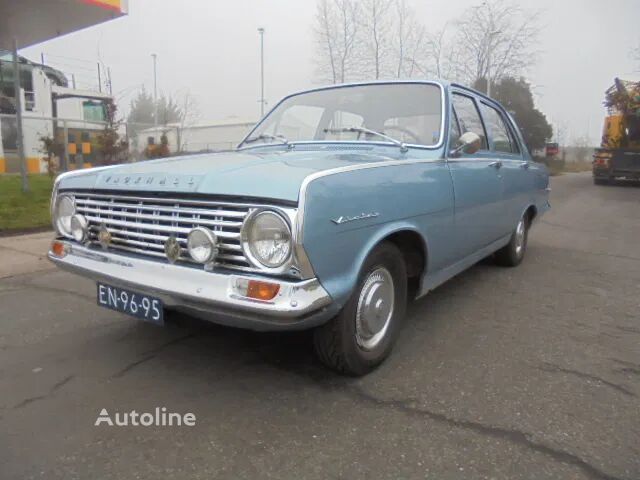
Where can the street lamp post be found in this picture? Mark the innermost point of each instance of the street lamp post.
(155, 90)
(262, 101)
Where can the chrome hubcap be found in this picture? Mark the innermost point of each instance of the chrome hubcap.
(520, 232)
(375, 308)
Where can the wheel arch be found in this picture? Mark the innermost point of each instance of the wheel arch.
(412, 245)
(531, 212)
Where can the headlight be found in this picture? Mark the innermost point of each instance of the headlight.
(65, 208)
(201, 244)
(266, 237)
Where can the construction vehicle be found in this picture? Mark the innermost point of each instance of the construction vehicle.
(619, 152)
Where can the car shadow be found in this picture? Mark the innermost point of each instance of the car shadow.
(291, 352)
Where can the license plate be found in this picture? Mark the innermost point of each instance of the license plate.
(132, 303)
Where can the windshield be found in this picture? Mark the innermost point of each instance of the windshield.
(408, 113)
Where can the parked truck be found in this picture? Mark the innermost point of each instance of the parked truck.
(619, 152)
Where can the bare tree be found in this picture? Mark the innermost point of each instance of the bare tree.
(408, 40)
(189, 115)
(336, 31)
(443, 57)
(496, 39)
(417, 45)
(376, 47)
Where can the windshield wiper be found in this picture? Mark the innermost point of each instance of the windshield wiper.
(268, 136)
(403, 147)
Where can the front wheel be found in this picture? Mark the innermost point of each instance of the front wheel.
(363, 333)
(512, 254)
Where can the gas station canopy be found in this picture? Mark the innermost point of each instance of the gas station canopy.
(35, 21)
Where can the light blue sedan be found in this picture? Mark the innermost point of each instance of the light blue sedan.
(337, 201)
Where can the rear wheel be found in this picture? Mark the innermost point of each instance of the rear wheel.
(512, 254)
(362, 335)
(600, 181)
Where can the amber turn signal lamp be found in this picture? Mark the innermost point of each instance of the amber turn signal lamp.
(262, 290)
(59, 249)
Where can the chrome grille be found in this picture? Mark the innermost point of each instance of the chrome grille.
(143, 224)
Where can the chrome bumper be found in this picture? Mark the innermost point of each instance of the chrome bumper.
(207, 295)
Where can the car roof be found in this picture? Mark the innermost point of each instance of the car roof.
(427, 81)
(444, 84)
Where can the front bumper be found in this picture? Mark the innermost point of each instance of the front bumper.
(207, 295)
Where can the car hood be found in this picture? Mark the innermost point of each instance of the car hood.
(268, 175)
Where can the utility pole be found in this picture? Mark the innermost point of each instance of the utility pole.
(262, 101)
(18, 102)
(155, 90)
(99, 79)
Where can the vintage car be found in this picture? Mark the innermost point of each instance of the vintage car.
(337, 204)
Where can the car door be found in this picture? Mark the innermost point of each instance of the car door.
(477, 181)
(514, 170)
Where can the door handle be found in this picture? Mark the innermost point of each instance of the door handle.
(497, 164)
(525, 165)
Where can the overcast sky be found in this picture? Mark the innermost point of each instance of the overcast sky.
(211, 49)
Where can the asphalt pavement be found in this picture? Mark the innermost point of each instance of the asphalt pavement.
(525, 373)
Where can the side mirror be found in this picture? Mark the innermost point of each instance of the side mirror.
(468, 143)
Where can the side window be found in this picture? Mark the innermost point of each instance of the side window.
(500, 134)
(454, 130)
(469, 117)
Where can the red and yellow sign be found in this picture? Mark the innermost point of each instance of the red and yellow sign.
(108, 4)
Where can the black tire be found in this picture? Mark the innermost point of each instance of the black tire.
(510, 255)
(600, 181)
(337, 343)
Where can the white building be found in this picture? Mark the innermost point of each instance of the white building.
(214, 136)
(49, 109)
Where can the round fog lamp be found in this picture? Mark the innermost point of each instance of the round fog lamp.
(79, 228)
(201, 244)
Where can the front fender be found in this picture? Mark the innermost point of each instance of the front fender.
(347, 214)
(343, 282)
